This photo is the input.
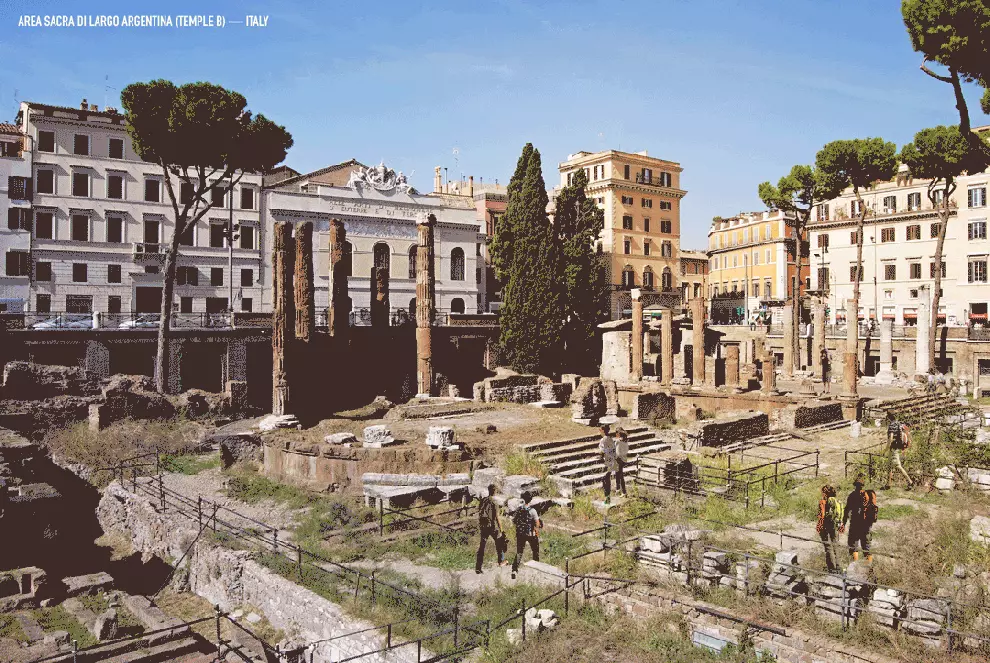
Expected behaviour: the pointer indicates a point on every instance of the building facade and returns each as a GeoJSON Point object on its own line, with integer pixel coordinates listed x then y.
{"type": "Point", "coordinates": [15, 235]}
{"type": "Point", "coordinates": [693, 274]}
{"type": "Point", "coordinates": [899, 238]}
{"type": "Point", "coordinates": [641, 199]}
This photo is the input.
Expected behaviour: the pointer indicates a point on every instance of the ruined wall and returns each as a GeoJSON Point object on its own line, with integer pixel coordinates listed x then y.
{"type": "Point", "coordinates": [810, 414]}
{"type": "Point", "coordinates": [734, 428]}
{"type": "Point", "coordinates": [711, 401]}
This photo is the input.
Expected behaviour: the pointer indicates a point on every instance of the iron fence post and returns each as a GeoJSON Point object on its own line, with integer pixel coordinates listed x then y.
{"type": "Point", "coordinates": [299, 561]}
{"type": "Point", "coordinates": [457, 623]}
{"type": "Point", "coordinates": [219, 640]}
{"type": "Point", "coordinates": [374, 597]}
{"type": "Point", "coordinates": [523, 613]}
{"type": "Point", "coordinates": [567, 585]}
{"type": "Point", "coordinates": [948, 625]}
{"type": "Point", "coordinates": [388, 637]}
{"type": "Point", "coordinates": [75, 651]}
{"type": "Point", "coordinates": [844, 617]}
{"type": "Point", "coordinates": [381, 517]}
{"type": "Point", "coordinates": [275, 541]}
{"type": "Point", "coordinates": [161, 489]}
{"type": "Point", "coordinates": [690, 547]}
{"type": "Point", "coordinates": [199, 511]}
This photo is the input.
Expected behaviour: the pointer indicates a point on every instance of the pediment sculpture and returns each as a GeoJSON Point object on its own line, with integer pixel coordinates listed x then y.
{"type": "Point", "coordinates": [379, 178]}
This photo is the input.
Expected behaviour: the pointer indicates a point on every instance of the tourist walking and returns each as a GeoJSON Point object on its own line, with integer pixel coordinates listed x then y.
{"type": "Point", "coordinates": [861, 512]}
{"type": "Point", "coordinates": [528, 525]}
{"type": "Point", "coordinates": [898, 440]}
{"type": "Point", "coordinates": [606, 447]}
{"type": "Point", "coordinates": [621, 459]}
{"type": "Point", "coordinates": [826, 372]}
{"type": "Point", "coordinates": [489, 526]}
{"type": "Point", "coordinates": [829, 520]}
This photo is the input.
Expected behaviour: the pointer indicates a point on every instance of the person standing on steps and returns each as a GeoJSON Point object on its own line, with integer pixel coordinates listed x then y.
{"type": "Point", "coordinates": [898, 440]}
{"type": "Point", "coordinates": [829, 519]}
{"type": "Point", "coordinates": [528, 525]}
{"type": "Point", "coordinates": [621, 459]}
{"type": "Point", "coordinates": [860, 513]}
{"type": "Point", "coordinates": [606, 447]}
{"type": "Point", "coordinates": [489, 526]}
{"type": "Point", "coordinates": [826, 372]}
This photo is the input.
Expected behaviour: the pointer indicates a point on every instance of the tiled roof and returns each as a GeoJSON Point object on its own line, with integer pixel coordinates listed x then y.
{"type": "Point", "coordinates": [7, 128]}
{"type": "Point", "coordinates": [322, 171]}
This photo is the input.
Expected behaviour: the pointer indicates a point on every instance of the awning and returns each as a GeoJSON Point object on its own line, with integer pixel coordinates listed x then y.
{"type": "Point", "coordinates": [911, 316]}
{"type": "Point", "coordinates": [977, 316]}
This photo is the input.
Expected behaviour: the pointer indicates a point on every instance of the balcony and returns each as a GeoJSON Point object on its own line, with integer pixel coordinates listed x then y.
{"type": "Point", "coordinates": [149, 252]}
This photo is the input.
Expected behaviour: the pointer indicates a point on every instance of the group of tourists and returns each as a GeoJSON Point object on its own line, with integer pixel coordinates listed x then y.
{"type": "Point", "coordinates": [525, 520]}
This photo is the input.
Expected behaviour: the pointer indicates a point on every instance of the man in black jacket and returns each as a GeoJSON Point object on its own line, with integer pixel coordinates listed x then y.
{"type": "Point", "coordinates": [488, 526]}
{"type": "Point", "coordinates": [859, 523]}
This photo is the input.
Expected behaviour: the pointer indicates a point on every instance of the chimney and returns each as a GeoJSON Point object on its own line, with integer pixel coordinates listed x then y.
{"type": "Point", "coordinates": [84, 105]}
{"type": "Point", "coordinates": [437, 182]}
{"type": "Point", "coordinates": [94, 107]}
{"type": "Point", "coordinates": [471, 185]}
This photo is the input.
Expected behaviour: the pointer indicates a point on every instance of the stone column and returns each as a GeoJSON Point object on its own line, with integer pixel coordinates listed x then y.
{"type": "Point", "coordinates": [425, 303]}
{"type": "Point", "coordinates": [698, 341]}
{"type": "Point", "coordinates": [379, 298]}
{"type": "Point", "coordinates": [283, 308]}
{"type": "Point", "coordinates": [886, 374]}
{"type": "Point", "coordinates": [667, 347]}
{"type": "Point", "coordinates": [788, 341]}
{"type": "Point", "coordinates": [636, 371]}
{"type": "Point", "coordinates": [304, 295]}
{"type": "Point", "coordinates": [339, 306]}
{"type": "Point", "coordinates": [732, 366]}
{"type": "Point", "coordinates": [769, 385]}
{"type": "Point", "coordinates": [819, 338]}
{"type": "Point", "coordinates": [922, 362]}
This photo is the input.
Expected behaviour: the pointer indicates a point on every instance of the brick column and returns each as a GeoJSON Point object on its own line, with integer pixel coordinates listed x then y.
{"type": "Point", "coordinates": [769, 385]}
{"type": "Point", "coordinates": [636, 372]}
{"type": "Point", "coordinates": [732, 366]}
{"type": "Point", "coordinates": [788, 340]}
{"type": "Point", "coordinates": [304, 296]}
{"type": "Point", "coordinates": [818, 339]}
{"type": "Point", "coordinates": [425, 303]}
{"type": "Point", "coordinates": [339, 306]}
{"type": "Point", "coordinates": [667, 347]}
{"type": "Point", "coordinates": [283, 308]}
{"type": "Point", "coordinates": [379, 298]}
{"type": "Point", "coordinates": [698, 341]}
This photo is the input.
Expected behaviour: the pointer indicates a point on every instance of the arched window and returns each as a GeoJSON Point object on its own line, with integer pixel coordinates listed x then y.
{"type": "Point", "coordinates": [383, 256]}
{"type": "Point", "coordinates": [666, 279]}
{"type": "Point", "coordinates": [412, 308]}
{"type": "Point", "coordinates": [346, 258]}
{"type": "Point", "coordinates": [412, 261]}
{"type": "Point", "coordinates": [628, 277]}
{"type": "Point", "coordinates": [457, 304]}
{"type": "Point", "coordinates": [648, 277]}
{"type": "Point", "coordinates": [457, 266]}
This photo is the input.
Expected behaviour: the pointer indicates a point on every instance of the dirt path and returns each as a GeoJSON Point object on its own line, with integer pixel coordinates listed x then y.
{"type": "Point", "coordinates": [468, 580]}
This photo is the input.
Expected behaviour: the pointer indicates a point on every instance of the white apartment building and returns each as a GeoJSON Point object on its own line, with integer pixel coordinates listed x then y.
{"type": "Point", "coordinates": [899, 239]}
{"type": "Point", "coordinates": [15, 234]}
{"type": "Point", "coordinates": [102, 218]}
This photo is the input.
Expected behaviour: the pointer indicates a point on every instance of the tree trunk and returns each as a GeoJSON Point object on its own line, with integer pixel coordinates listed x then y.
{"type": "Point", "coordinates": [943, 215]}
{"type": "Point", "coordinates": [964, 122]}
{"type": "Point", "coordinates": [796, 295]}
{"type": "Point", "coordinates": [162, 367]}
{"type": "Point", "coordinates": [860, 223]}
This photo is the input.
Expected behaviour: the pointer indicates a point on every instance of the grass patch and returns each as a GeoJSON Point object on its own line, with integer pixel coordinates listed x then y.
{"type": "Point", "coordinates": [520, 462]}
{"type": "Point", "coordinates": [59, 619]}
{"type": "Point", "coordinates": [11, 628]}
{"type": "Point", "coordinates": [253, 488]}
{"type": "Point", "coordinates": [99, 603]}
{"type": "Point", "coordinates": [190, 463]}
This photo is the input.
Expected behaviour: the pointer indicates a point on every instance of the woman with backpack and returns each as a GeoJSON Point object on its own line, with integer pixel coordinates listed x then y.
{"type": "Point", "coordinates": [898, 440]}
{"type": "Point", "coordinates": [829, 520]}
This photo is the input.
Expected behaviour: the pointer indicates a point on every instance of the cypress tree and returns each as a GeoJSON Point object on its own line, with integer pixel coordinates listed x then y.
{"type": "Point", "coordinates": [503, 237]}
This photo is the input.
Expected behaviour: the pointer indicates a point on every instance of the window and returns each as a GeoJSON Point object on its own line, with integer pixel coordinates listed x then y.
{"type": "Point", "coordinates": [186, 193]}
{"type": "Point", "coordinates": [115, 186]}
{"type": "Point", "coordinates": [216, 196]}
{"type": "Point", "coordinates": [80, 228]}
{"type": "Point", "coordinates": [18, 263]}
{"type": "Point", "coordinates": [113, 304]}
{"type": "Point", "coordinates": [627, 200]}
{"type": "Point", "coordinates": [646, 225]}
{"type": "Point", "coordinates": [46, 141]}
{"type": "Point", "coordinates": [152, 190]}
{"type": "Point", "coordinates": [646, 202]}
{"type": "Point", "coordinates": [823, 241]}
{"type": "Point", "coordinates": [152, 269]}
{"type": "Point", "coordinates": [823, 278]}
{"type": "Point", "coordinates": [247, 304]}
{"type": "Point", "coordinates": [978, 270]}
{"type": "Point", "coordinates": [19, 188]}
{"type": "Point", "coordinates": [625, 171]}
{"type": "Point", "coordinates": [218, 235]}
{"type": "Point", "coordinates": [43, 303]}
{"type": "Point", "coordinates": [915, 268]}
{"type": "Point", "coordinates": [822, 212]}
{"type": "Point", "coordinates": [935, 229]}
{"type": "Point", "coordinates": [413, 250]}
{"type": "Point", "coordinates": [666, 204]}
{"type": "Point", "coordinates": [666, 279]}
{"type": "Point", "coordinates": [646, 175]}
{"type": "Point", "coordinates": [666, 226]}
{"type": "Point", "coordinates": [116, 150]}
{"type": "Point", "coordinates": [913, 232]}
{"type": "Point", "coordinates": [914, 202]}
{"type": "Point", "coordinates": [852, 273]}
{"type": "Point", "coordinates": [457, 305]}
{"type": "Point", "coordinates": [627, 223]}
{"type": "Point", "coordinates": [735, 260]}
{"type": "Point", "coordinates": [854, 238]}
{"type": "Point", "coordinates": [113, 273]}
{"type": "Point", "coordinates": [247, 198]}
{"type": "Point", "coordinates": [647, 278]}
{"type": "Point", "coordinates": [247, 278]}
{"type": "Point", "coordinates": [666, 249]}
{"type": "Point", "coordinates": [756, 258]}
{"type": "Point", "coordinates": [80, 144]}
{"type": "Point", "coordinates": [216, 304]}
{"type": "Point", "coordinates": [939, 194]}
{"type": "Point", "coordinates": [627, 246]}
{"type": "Point", "coordinates": [46, 180]}
{"type": "Point", "coordinates": [247, 236]}
{"type": "Point", "coordinates": [115, 229]}
{"type": "Point", "coordinates": [383, 255]}
{"type": "Point", "coordinates": [19, 218]}
{"type": "Point", "coordinates": [665, 179]}
{"type": "Point", "coordinates": [931, 270]}
{"type": "Point", "coordinates": [43, 225]}
{"type": "Point", "coordinates": [185, 305]}
{"type": "Point", "coordinates": [978, 229]}
{"type": "Point", "coordinates": [977, 196]}
{"type": "Point", "coordinates": [886, 234]}
{"type": "Point", "coordinates": [769, 256]}
{"type": "Point", "coordinates": [889, 204]}
{"type": "Point", "coordinates": [855, 208]}
{"type": "Point", "coordinates": [216, 276]}
{"type": "Point", "coordinates": [79, 272]}
{"type": "Point", "coordinates": [628, 277]}
{"type": "Point", "coordinates": [187, 238]}
{"type": "Point", "coordinates": [43, 271]}
{"type": "Point", "coordinates": [78, 303]}
{"type": "Point", "coordinates": [756, 288]}
{"type": "Point", "coordinates": [646, 248]}
{"type": "Point", "coordinates": [890, 272]}
{"type": "Point", "coordinates": [457, 264]}
{"type": "Point", "coordinates": [80, 184]}
{"type": "Point", "coordinates": [185, 275]}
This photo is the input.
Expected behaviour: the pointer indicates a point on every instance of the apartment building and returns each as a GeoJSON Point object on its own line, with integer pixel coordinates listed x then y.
{"type": "Point", "coordinates": [694, 274]}
{"type": "Point", "coordinates": [15, 235]}
{"type": "Point", "coordinates": [753, 254]}
{"type": "Point", "coordinates": [641, 198]}
{"type": "Point", "coordinates": [899, 239]}
{"type": "Point", "coordinates": [102, 220]}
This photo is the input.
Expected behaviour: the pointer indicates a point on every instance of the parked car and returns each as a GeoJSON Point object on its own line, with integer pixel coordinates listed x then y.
{"type": "Point", "coordinates": [149, 320]}
{"type": "Point", "coordinates": [66, 321]}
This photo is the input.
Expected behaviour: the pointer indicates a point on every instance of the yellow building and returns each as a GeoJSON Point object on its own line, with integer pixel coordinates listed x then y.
{"type": "Point", "coordinates": [641, 198]}
{"type": "Point", "coordinates": [752, 254]}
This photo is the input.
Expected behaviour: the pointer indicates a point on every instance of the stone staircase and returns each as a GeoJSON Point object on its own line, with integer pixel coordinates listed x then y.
{"type": "Point", "coordinates": [576, 465]}
{"type": "Point", "coordinates": [928, 407]}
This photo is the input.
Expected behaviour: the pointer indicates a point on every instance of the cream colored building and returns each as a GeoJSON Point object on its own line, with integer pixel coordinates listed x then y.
{"type": "Point", "coordinates": [693, 274]}
{"type": "Point", "coordinates": [641, 198]}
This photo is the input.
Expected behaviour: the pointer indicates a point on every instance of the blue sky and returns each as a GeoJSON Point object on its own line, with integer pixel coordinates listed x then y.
{"type": "Point", "coordinates": [737, 91]}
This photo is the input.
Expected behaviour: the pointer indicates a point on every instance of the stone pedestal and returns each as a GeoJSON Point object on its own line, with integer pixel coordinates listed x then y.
{"type": "Point", "coordinates": [636, 370]}
{"type": "Point", "coordinates": [698, 341]}
{"type": "Point", "coordinates": [886, 374]}
{"type": "Point", "coordinates": [425, 303]}
{"type": "Point", "coordinates": [788, 341]}
{"type": "Point", "coordinates": [304, 294]}
{"type": "Point", "coordinates": [283, 314]}
{"type": "Point", "coordinates": [667, 347]}
{"type": "Point", "coordinates": [922, 360]}
{"type": "Point", "coordinates": [732, 367]}
{"type": "Point", "coordinates": [340, 309]}
{"type": "Point", "coordinates": [769, 384]}
{"type": "Point", "coordinates": [818, 340]}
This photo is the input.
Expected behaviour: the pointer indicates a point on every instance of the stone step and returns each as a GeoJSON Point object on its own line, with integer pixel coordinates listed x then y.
{"type": "Point", "coordinates": [648, 446]}
{"type": "Point", "coordinates": [562, 454]}
{"type": "Point", "coordinates": [831, 425]}
{"type": "Point", "coordinates": [635, 447]}
{"type": "Point", "coordinates": [752, 443]}
{"type": "Point", "coordinates": [534, 448]}
{"type": "Point", "coordinates": [167, 651]}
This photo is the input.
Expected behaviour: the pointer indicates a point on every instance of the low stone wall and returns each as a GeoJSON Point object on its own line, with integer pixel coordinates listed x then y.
{"type": "Point", "coordinates": [521, 389]}
{"type": "Point", "coordinates": [810, 414]}
{"type": "Point", "coordinates": [231, 579]}
{"type": "Point", "coordinates": [653, 406]}
{"type": "Point", "coordinates": [329, 467]}
{"type": "Point", "coordinates": [735, 428]}
{"type": "Point", "coordinates": [709, 400]}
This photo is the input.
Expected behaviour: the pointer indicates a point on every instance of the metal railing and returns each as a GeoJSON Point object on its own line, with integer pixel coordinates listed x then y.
{"type": "Point", "coordinates": [59, 320]}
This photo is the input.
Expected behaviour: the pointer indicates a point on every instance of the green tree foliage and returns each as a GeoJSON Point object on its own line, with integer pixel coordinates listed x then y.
{"type": "Point", "coordinates": [956, 35]}
{"type": "Point", "coordinates": [531, 317]}
{"type": "Point", "coordinates": [796, 193]}
{"type": "Point", "coordinates": [856, 163]}
{"type": "Point", "coordinates": [501, 245]}
{"type": "Point", "coordinates": [578, 222]}
{"type": "Point", "coordinates": [203, 139]}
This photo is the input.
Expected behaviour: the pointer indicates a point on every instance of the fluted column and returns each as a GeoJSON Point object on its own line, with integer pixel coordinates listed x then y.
{"type": "Point", "coordinates": [698, 341]}
{"type": "Point", "coordinates": [283, 312]}
{"type": "Point", "coordinates": [304, 296]}
{"type": "Point", "coordinates": [339, 306]}
{"type": "Point", "coordinates": [667, 347]}
{"type": "Point", "coordinates": [636, 373]}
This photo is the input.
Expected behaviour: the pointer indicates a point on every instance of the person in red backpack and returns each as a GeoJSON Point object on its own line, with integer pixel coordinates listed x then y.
{"type": "Point", "coordinates": [898, 441]}
{"type": "Point", "coordinates": [860, 513]}
{"type": "Point", "coordinates": [827, 526]}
